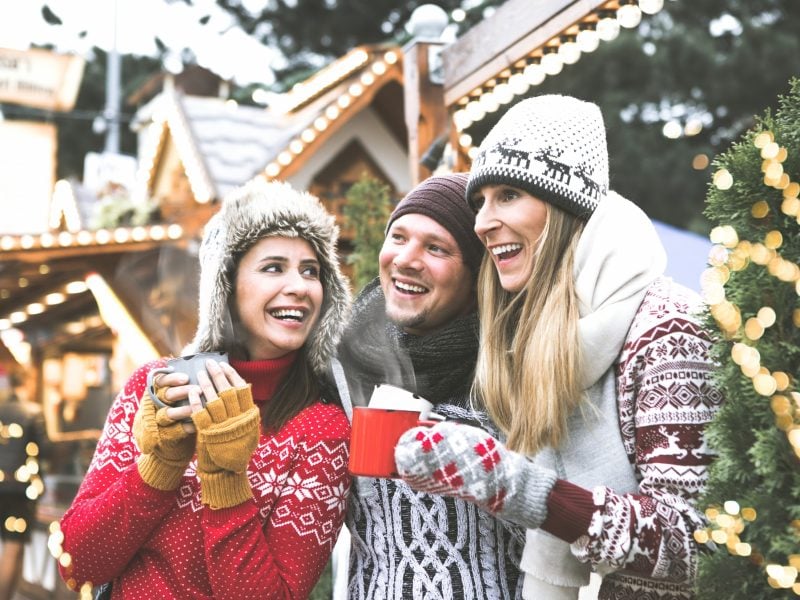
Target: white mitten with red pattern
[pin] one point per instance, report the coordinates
(461, 461)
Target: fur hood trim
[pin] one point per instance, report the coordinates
(257, 210)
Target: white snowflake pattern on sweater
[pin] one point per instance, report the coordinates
(156, 544)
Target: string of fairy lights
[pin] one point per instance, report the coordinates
(549, 59)
(730, 254)
(26, 473)
(373, 68)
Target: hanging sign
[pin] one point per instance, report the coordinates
(40, 78)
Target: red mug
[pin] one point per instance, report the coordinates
(377, 428)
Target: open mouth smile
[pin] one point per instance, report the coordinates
(288, 314)
(506, 251)
(409, 288)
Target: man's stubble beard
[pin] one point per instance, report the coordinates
(404, 321)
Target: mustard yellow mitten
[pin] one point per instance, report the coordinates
(166, 446)
(227, 435)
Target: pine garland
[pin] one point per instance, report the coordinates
(752, 287)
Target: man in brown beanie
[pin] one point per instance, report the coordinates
(415, 327)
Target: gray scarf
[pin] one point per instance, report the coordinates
(374, 350)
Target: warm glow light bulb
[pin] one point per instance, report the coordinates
(502, 93)
(488, 102)
(764, 384)
(461, 119)
(569, 51)
(587, 39)
(475, 111)
(651, 7)
(534, 73)
(608, 28)
(739, 353)
(552, 64)
(518, 84)
(723, 179)
(672, 130)
(629, 16)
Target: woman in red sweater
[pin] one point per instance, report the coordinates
(242, 498)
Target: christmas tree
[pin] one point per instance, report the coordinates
(752, 288)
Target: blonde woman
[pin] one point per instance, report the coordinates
(593, 365)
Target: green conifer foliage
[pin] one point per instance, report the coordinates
(752, 287)
(369, 204)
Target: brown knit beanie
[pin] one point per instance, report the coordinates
(442, 198)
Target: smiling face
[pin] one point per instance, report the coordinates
(278, 295)
(423, 275)
(509, 221)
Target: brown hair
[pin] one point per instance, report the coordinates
(301, 386)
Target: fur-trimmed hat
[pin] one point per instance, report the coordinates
(553, 147)
(441, 197)
(257, 210)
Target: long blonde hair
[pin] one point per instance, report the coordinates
(528, 371)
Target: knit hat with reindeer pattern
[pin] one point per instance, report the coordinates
(553, 147)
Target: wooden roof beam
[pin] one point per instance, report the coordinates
(515, 29)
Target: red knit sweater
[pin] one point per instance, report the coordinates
(156, 544)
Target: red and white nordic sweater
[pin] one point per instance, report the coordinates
(666, 398)
(156, 544)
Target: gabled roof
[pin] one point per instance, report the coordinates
(223, 145)
(73, 205)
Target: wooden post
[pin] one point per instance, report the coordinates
(425, 112)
